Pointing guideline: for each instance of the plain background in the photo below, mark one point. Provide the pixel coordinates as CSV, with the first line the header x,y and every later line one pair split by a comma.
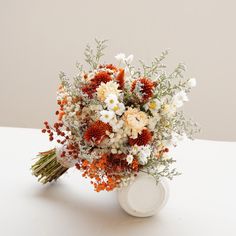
x,y
40,38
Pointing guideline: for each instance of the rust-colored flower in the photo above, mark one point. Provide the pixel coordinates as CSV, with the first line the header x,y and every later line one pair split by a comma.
x,y
135,165
146,85
97,132
89,89
106,171
100,77
144,138
111,67
120,79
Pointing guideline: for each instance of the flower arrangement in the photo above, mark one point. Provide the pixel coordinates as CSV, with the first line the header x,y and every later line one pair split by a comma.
x,y
115,120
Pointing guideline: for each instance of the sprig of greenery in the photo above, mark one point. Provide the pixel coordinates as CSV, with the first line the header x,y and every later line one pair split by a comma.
x,y
93,58
159,168
169,85
180,125
156,65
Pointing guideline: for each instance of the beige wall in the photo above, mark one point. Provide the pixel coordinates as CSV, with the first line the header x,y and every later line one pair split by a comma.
x,y
40,38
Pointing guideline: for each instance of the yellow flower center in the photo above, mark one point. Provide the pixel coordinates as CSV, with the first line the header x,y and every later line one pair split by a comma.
x,y
116,108
152,105
106,116
111,101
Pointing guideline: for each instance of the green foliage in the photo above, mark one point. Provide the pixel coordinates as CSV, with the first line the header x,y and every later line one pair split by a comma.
x,y
93,57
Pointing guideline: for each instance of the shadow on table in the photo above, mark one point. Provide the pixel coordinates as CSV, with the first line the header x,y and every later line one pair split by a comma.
x,y
99,211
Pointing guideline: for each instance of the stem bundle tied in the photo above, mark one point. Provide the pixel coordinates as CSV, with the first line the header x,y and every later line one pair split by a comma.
x,y
47,168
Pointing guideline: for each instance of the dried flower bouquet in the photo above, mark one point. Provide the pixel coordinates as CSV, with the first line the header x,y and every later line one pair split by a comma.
x,y
115,120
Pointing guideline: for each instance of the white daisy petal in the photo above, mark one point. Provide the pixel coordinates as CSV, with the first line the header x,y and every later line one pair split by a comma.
x,y
111,101
129,59
106,116
120,57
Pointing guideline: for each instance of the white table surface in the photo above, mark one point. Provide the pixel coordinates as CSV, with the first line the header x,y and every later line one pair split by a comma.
x,y
202,200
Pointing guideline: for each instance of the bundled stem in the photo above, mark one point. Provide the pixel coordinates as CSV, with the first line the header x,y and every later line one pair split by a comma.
x,y
47,168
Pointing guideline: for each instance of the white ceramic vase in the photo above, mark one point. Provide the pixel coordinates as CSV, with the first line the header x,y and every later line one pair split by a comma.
x,y
144,197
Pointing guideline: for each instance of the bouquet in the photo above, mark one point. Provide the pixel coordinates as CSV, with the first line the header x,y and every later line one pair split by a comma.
x,y
116,120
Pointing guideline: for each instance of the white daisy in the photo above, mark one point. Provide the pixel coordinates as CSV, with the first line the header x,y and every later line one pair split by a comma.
x,y
153,105
119,109
106,116
111,101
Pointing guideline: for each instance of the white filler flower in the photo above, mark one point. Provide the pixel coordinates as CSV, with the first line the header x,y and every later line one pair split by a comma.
x,y
129,59
144,153
121,58
116,124
129,159
106,116
192,82
179,99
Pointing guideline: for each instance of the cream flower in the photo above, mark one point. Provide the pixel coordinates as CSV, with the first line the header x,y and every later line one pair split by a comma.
x,y
106,116
153,122
135,121
168,109
116,124
104,90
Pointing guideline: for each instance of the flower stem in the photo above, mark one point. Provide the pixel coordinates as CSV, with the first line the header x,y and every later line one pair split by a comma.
x,y
47,168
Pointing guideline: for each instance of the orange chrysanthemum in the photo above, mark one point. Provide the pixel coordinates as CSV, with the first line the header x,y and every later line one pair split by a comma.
x,y
100,77
144,138
147,87
97,132
120,79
